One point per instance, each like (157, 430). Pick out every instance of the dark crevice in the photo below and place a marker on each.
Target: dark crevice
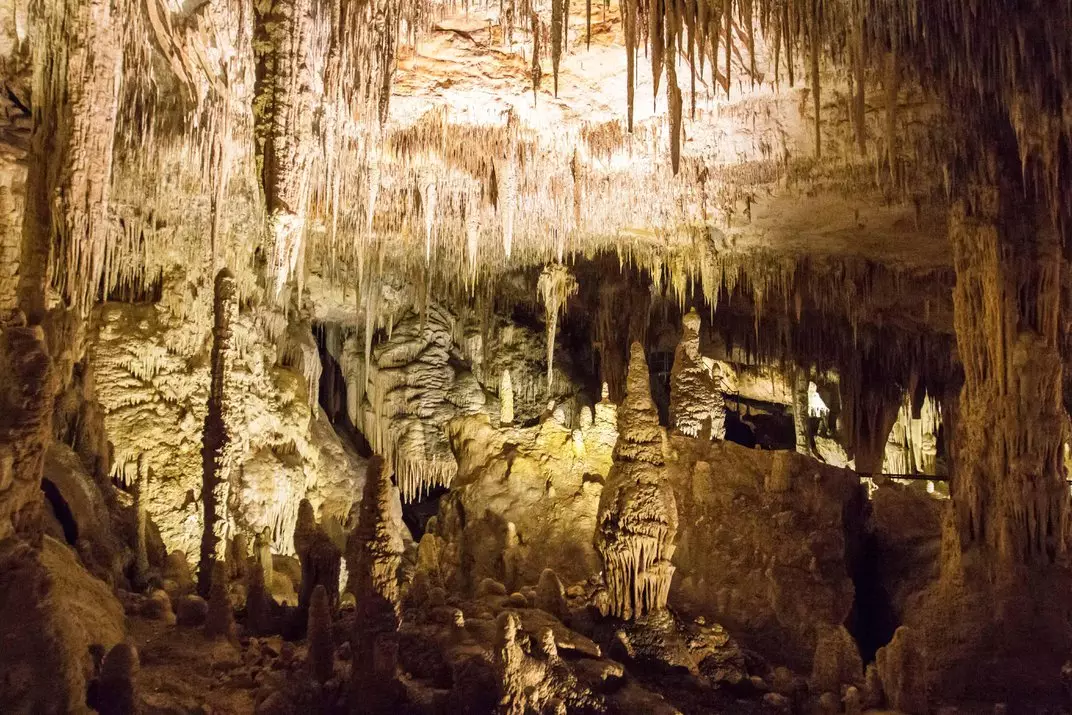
(61, 510)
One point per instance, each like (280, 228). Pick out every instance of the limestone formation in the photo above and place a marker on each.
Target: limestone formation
(506, 399)
(219, 620)
(318, 633)
(374, 555)
(262, 554)
(902, 670)
(238, 558)
(113, 692)
(258, 604)
(217, 451)
(638, 523)
(320, 566)
(696, 402)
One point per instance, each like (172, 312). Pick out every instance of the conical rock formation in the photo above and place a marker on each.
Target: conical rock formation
(637, 523)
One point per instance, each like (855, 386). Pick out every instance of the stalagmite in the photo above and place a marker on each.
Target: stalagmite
(258, 604)
(318, 633)
(374, 555)
(637, 523)
(803, 438)
(141, 519)
(217, 451)
(219, 623)
(319, 556)
(262, 554)
(696, 401)
(506, 399)
(113, 692)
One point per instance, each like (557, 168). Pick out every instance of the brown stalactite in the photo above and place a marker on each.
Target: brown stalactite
(557, 8)
(76, 97)
(1009, 485)
(285, 108)
(674, 92)
(814, 39)
(656, 38)
(218, 451)
(629, 20)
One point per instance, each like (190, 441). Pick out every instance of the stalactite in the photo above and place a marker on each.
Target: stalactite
(557, 9)
(629, 15)
(76, 98)
(655, 38)
(218, 449)
(588, 23)
(814, 38)
(675, 100)
(141, 519)
(537, 71)
(1009, 491)
(556, 285)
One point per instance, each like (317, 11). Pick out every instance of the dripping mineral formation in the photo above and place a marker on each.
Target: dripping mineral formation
(552, 357)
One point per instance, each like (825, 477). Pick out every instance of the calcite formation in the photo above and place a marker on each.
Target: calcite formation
(217, 451)
(637, 523)
(696, 402)
(374, 558)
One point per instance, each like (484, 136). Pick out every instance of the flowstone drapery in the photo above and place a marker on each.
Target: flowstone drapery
(637, 523)
(1009, 486)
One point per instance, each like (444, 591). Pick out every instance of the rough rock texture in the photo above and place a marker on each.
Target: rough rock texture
(638, 515)
(375, 547)
(151, 365)
(376, 557)
(217, 447)
(696, 402)
(27, 387)
(902, 669)
(767, 543)
(53, 613)
(402, 399)
(530, 498)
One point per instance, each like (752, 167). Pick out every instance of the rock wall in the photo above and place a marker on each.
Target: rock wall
(55, 614)
(524, 500)
(766, 543)
(152, 375)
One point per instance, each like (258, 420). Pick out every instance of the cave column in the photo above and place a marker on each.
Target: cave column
(218, 448)
(1008, 484)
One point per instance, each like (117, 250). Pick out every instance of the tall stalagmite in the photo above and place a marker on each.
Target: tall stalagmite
(217, 450)
(374, 555)
(637, 523)
(695, 397)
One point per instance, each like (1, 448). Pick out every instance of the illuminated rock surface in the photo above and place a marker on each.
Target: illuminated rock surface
(703, 357)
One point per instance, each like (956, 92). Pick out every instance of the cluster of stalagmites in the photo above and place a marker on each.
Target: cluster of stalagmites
(637, 523)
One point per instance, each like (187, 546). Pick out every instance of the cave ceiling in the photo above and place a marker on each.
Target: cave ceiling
(449, 145)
